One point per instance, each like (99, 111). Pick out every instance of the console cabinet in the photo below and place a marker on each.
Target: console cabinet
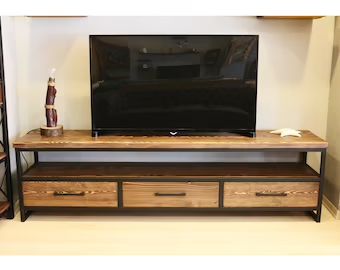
(189, 186)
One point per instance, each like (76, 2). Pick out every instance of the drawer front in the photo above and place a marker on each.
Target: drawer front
(270, 194)
(70, 194)
(170, 194)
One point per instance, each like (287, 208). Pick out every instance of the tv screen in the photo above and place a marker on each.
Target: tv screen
(173, 84)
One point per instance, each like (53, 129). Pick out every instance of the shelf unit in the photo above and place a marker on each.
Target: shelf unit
(186, 186)
(6, 193)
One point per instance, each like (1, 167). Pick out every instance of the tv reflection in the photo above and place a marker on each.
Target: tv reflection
(204, 83)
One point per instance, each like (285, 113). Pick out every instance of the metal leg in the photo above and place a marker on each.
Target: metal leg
(36, 157)
(120, 194)
(221, 194)
(303, 157)
(9, 190)
(317, 214)
(23, 213)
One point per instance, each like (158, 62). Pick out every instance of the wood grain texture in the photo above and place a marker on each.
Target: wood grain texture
(106, 170)
(243, 194)
(143, 194)
(82, 139)
(4, 207)
(51, 131)
(96, 194)
(2, 156)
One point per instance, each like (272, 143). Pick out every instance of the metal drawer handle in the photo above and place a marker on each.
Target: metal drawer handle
(67, 193)
(170, 194)
(270, 193)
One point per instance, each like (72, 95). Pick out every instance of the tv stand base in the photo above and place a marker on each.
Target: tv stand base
(174, 212)
(189, 187)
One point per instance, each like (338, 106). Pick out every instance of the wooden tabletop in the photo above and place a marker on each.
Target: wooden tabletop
(82, 139)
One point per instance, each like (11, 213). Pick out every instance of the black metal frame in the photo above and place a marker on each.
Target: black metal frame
(314, 212)
(5, 143)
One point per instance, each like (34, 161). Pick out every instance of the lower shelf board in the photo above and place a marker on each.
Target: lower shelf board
(4, 206)
(107, 170)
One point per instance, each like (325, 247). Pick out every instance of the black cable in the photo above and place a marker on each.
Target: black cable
(33, 130)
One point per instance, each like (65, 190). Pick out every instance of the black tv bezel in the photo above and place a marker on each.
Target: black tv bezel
(167, 131)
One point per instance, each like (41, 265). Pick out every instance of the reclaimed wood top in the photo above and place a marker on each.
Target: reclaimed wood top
(82, 139)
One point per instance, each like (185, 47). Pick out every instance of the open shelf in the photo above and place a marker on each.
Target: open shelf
(106, 170)
(4, 207)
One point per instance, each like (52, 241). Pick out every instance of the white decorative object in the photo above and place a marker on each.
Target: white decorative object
(287, 132)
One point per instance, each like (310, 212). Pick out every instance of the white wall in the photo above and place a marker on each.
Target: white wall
(332, 185)
(294, 64)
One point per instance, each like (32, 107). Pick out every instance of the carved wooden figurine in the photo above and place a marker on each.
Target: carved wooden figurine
(51, 112)
(51, 128)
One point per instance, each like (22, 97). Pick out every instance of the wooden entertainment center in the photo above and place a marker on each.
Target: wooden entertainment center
(189, 186)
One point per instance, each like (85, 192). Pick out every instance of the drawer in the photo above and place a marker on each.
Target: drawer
(70, 194)
(271, 194)
(170, 194)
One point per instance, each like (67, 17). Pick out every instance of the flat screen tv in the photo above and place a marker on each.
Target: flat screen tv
(173, 84)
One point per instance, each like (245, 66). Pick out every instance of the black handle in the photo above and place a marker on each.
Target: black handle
(270, 193)
(170, 194)
(67, 193)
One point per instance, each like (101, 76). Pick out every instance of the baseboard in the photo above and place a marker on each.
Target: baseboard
(331, 207)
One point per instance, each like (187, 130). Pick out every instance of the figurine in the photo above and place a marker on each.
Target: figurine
(52, 128)
(51, 112)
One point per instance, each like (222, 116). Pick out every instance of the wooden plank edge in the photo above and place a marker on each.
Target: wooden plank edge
(172, 178)
(2, 156)
(151, 146)
(4, 206)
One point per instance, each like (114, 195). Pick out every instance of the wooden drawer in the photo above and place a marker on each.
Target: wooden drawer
(70, 194)
(271, 194)
(170, 194)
